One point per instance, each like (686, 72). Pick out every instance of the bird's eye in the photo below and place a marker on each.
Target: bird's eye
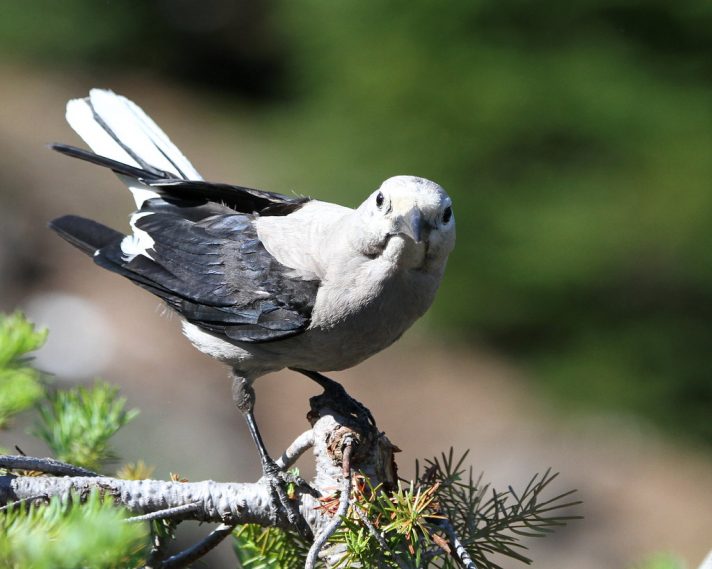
(447, 214)
(379, 199)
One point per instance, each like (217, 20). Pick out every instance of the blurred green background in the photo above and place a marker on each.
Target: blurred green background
(575, 139)
(574, 324)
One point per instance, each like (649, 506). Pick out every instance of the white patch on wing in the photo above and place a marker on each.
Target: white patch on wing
(212, 345)
(139, 242)
(140, 192)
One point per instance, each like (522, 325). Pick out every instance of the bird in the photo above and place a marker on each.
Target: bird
(263, 281)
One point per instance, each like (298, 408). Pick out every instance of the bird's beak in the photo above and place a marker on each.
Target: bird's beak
(411, 224)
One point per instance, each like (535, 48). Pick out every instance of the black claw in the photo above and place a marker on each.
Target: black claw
(334, 391)
(337, 391)
(278, 481)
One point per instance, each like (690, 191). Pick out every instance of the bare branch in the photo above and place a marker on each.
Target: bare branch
(46, 465)
(339, 442)
(344, 501)
(461, 554)
(176, 512)
(208, 501)
(379, 538)
(23, 501)
(301, 444)
(159, 545)
(187, 556)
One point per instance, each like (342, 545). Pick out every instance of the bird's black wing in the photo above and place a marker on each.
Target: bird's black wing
(214, 271)
(207, 261)
(190, 193)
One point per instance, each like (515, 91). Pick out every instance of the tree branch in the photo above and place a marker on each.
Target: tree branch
(46, 465)
(167, 513)
(186, 557)
(459, 551)
(342, 439)
(302, 443)
(209, 501)
(206, 501)
(379, 538)
(344, 501)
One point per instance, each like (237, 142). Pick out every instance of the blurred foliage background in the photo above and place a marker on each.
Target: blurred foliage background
(575, 139)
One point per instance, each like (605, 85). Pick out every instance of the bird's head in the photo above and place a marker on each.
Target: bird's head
(409, 220)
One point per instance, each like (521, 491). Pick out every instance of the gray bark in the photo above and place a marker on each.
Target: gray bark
(231, 503)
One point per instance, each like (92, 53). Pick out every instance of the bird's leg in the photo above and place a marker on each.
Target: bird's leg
(243, 396)
(336, 392)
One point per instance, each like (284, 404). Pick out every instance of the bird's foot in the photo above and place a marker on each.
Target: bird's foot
(283, 486)
(281, 483)
(347, 404)
(335, 396)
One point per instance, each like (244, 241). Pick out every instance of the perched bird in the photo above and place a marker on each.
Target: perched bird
(263, 281)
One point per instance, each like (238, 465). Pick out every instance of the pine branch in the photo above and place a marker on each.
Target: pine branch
(45, 465)
(379, 538)
(381, 523)
(206, 501)
(168, 513)
(490, 521)
(301, 444)
(344, 502)
(195, 552)
(461, 553)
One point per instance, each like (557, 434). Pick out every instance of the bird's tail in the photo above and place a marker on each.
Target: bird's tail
(118, 130)
(86, 235)
(104, 245)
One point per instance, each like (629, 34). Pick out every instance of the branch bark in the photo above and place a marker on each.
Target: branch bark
(335, 427)
(213, 501)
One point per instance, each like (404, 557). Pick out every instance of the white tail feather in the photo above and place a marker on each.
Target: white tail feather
(81, 118)
(162, 141)
(104, 117)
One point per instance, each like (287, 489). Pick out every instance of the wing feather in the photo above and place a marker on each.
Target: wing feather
(194, 243)
(227, 285)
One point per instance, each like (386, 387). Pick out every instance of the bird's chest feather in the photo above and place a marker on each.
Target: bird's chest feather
(353, 319)
(356, 317)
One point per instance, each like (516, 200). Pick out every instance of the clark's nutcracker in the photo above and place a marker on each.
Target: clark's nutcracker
(263, 281)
